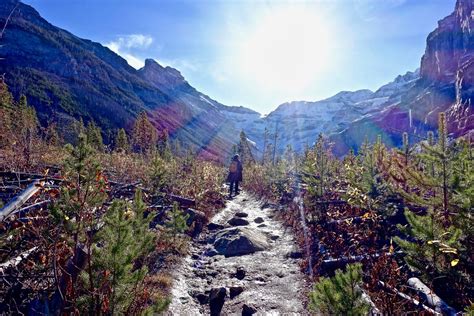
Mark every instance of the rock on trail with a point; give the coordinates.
(241, 269)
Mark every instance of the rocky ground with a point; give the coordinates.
(245, 264)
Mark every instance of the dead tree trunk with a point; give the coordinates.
(19, 200)
(430, 297)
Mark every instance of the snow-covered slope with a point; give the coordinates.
(298, 123)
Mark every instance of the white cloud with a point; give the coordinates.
(127, 45)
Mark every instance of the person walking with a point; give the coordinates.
(235, 175)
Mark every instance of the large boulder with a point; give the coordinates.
(238, 241)
(195, 220)
(238, 221)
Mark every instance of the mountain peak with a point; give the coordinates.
(166, 78)
(151, 63)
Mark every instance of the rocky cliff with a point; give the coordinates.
(445, 84)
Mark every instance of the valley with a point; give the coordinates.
(116, 182)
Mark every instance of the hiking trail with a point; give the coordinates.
(247, 263)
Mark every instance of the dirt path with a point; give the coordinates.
(269, 281)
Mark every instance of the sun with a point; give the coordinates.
(288, 48)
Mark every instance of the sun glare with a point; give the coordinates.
(288, 48)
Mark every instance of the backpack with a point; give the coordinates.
(233, 166)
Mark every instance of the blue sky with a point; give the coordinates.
(260, 54)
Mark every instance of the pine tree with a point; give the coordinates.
(25, 127)
(341, 294)
(463, 190)
(6, 106)
(77, 211)
(429, 181)
(317, 169)
(367, 187)
(164, 149)
(144, 137)
(266, 151)
(244, 150)
(121, 141)
(437, 180)
(51, 135)
(94, 136)
(176, 223)
(435, 249)
(159, 175)
(124, 239)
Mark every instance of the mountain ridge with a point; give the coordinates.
(66, 78)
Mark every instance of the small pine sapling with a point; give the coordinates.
(341, 294)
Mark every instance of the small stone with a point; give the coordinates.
(240, 273)
(248, 310)
(202, 298)
(262, 225)
(216, 300)
(235, 290)
(274, 237)
(295, 255)
(214, 226)
(237, 221)
(258, 220)
(241, 214)
(195, 256)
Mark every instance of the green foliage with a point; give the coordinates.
(463, 189)
(123, 239)
(341, 294)
(144, 137)
(163, 146)
(6, 105)
(159, 176)
(317, 167)
(121, 141)
(364, 173)
(51, 135)
(435, 247)
(244, 150)
(85, 192)
(176, 223)
(94, 136)
(267, 148)
(24, 129)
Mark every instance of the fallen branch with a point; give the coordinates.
(430, 297)
(335, 263)
(409, 298)
(184, 202)
(16, 261)
(19, 200)
(373, 309)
